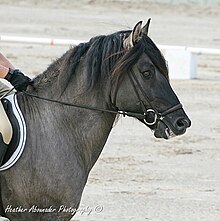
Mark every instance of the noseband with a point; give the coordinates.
(157, 115)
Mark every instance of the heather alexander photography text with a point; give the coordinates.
(87, 210)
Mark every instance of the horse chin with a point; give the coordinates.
(163, 131)
(160, 130)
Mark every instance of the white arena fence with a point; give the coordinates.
(182, 60)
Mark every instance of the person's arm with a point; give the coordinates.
(5, 62)
(3, 71)
(14, 76)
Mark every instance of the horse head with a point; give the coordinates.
(143, 85)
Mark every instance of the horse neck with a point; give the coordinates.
(86, 131)
(93, 127)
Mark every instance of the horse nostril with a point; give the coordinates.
(187, 122)
(183, 123)
(180, 123)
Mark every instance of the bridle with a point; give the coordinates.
(153, 110)
(141, 116)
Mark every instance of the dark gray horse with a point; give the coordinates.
(122, 71)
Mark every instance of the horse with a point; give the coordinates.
(70, 110)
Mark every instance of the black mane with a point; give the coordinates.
(104, 57)
(101, 54)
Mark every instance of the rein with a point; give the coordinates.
(124, 113)
(133, 79)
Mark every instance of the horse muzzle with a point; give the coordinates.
(167, 128)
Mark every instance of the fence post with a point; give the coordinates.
(182, 63)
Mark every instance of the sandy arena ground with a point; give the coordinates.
(138, 177)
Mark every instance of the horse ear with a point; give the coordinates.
(145, 29)
(134, 37)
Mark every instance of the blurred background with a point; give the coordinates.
(183, 23)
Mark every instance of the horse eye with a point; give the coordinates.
(147, 74)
